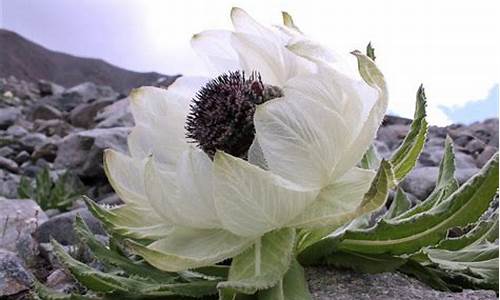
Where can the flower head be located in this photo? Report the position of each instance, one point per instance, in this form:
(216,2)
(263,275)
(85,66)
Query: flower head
(215,164)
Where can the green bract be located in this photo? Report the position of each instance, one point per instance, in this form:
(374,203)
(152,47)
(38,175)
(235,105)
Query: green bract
(298,196)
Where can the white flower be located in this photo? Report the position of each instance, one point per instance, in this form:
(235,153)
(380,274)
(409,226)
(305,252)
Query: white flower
(300,172)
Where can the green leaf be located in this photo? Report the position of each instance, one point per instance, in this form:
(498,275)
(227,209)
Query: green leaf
(262,265)
(370,159)
(405,157)
(292,287)
(408,235)
(366,263)
(107,283)
(476,266)
(44,293)
(424,274)
(312,244)
(25,189)
(370,51)
(103,254)
(399,205)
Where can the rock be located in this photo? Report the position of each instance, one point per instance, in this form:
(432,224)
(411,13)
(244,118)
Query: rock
(464,161)
(83,115)
(21,157)
(61,227)
(47,151)
(14,278)
(8,116)
(462,175)
(6,151)
(32,140)
(392,135)
(48,88)
(328,283)
(9,165)
(421,181)
(18,217)
(395,120)
(487,153)
(53,127)
(115,115)
(60,281)
(17,131)
(112,199)
(82,151)
(8,184)
(45,112)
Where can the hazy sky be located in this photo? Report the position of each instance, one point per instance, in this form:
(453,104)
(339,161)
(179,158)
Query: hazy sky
(450,46)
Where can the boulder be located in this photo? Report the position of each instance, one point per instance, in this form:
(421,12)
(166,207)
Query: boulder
(9,116)
(82,151)
(9,165)
(115,115)
(14,278)
(329,283)
(420,182)
(8,184)
(61,227)
(48,88)
(83,115)
(18,217)
(45,112)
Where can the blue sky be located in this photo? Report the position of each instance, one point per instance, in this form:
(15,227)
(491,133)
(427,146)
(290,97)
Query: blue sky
(447,45)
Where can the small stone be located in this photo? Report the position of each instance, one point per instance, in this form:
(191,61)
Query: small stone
(48,88)
(31,140)
(6,151)
(487,153)
(18,217)
(9,165)
(421,181)
(45,112)
(83,115)
(9,116)
(22,157)
(115,115)
(14,278)
(61,227)
(17,131)
(47,151)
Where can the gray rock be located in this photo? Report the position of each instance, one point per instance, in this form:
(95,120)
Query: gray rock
(53,127)
(47,151)
(392,135)
(18,217)
(462,175)
(464,161)
(9,165)
(6,151)
(45,112)
(17,131)
(421,181)
(48,88)
(14,278)
(31,140)
(61,227)
(83,115)
(9,116)
(60,281)
(8,184)
(487,153)
(82,151)
(21,157)
(328,284)
(115,115)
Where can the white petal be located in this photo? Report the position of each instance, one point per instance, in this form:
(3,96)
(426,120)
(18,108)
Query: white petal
(337,203)
(183,197)
(125,176)
(214,46)
(161,115)
(140,142)
(136,222)
(187,87)
(256,156)
(185,249)
(302,140)
(251,201)
(244,23)
(195,178)
(374,86)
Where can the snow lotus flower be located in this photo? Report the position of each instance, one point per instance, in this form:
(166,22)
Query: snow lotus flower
(215,164)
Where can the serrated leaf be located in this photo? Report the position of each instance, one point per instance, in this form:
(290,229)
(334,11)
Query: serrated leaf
(292,287)
(370,159)
(108,283)
(424,274)
(370,51)
(405,157)
(43,293)
(366,263)
(262,265)
(399,205)
(103,254)
(408,235)
(312,244)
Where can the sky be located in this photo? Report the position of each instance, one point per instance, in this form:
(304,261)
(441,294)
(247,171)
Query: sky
(452,47)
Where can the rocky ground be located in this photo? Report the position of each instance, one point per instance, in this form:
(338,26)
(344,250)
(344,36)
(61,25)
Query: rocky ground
(46,126)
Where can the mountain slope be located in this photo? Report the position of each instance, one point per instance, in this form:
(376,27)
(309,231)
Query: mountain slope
(29,61)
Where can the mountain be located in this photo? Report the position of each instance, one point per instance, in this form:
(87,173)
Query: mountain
(29,61)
